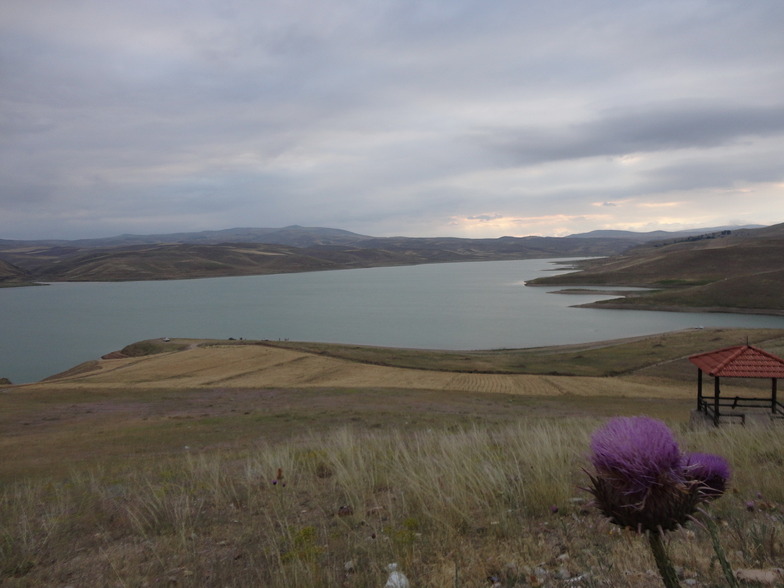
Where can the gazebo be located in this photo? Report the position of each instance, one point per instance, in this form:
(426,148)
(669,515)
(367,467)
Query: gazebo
(743,361)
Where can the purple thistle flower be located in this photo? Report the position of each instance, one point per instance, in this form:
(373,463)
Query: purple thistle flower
(711,472)
(637,453)
(645,483)
(640,480)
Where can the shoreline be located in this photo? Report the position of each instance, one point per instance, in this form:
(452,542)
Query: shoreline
(609,305)
(627,295)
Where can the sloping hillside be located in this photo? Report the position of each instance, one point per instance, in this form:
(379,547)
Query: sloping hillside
(162,262)
(660,235)
(11,275)
(682,260)
(738,270)
(294,235)
(59,262)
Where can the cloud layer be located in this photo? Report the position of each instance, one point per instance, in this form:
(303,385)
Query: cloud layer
(423,118)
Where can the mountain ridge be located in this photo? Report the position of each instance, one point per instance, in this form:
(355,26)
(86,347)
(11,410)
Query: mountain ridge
(662,235)
(258,251)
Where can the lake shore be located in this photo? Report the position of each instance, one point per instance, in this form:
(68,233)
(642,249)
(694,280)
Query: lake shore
(436,306)
(611,305)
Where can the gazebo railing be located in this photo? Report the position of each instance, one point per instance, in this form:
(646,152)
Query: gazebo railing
(713,409)
(709,408)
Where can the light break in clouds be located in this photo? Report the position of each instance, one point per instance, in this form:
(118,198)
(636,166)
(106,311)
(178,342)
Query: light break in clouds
(389,117)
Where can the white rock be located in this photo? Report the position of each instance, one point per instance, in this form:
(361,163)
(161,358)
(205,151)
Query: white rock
(396,579)
(769,577)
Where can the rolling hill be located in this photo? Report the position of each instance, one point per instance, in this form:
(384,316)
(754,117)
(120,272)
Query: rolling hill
(724,271)
(267,251)
(11,275)
(661,235)
(721,270)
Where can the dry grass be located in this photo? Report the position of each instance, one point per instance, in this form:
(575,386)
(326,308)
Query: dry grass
(49,429)
(453,508)
(608,358)
(263,366)
(158,470)
(289,364)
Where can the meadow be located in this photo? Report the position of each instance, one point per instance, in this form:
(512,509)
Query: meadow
(200,464)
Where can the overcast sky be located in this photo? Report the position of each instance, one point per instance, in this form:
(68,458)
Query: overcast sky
(475,118)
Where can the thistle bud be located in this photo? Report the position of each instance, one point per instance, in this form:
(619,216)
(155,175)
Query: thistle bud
(711,472)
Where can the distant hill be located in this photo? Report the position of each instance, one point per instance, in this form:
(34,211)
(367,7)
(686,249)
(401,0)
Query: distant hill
(294,235)
(728,270)
(185,260)
(249,251)
(255,251)
(182,261)
(658,235)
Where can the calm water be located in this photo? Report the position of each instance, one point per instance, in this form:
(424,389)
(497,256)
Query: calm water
(44,330)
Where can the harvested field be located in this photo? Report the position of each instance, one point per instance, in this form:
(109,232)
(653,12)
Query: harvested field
(260,366)
(210,394)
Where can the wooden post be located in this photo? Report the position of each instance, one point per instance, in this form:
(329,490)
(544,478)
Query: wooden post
(716,401)
(773,401)
(699,389)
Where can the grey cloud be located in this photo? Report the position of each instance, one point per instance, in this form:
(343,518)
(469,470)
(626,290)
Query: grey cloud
(640,131)
(484,217)
(376,114)
(714,173)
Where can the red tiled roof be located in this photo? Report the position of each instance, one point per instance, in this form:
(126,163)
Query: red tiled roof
(743,361)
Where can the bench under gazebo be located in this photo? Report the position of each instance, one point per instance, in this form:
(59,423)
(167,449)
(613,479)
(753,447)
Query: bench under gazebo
(742,361)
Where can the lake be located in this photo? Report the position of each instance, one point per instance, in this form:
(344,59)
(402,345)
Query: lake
(476,305)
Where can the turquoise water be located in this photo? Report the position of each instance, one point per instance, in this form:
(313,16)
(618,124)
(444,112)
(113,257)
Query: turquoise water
(480,305)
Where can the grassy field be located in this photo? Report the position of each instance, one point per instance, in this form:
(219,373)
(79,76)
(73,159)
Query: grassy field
(217,463)
(609,358)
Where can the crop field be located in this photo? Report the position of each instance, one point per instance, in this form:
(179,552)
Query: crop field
(262,366)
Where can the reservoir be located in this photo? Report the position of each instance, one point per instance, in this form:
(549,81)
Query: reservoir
(476,305)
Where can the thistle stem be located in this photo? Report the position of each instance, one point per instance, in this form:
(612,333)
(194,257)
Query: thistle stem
(710,524)
(663,562)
